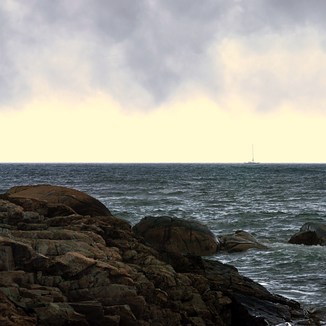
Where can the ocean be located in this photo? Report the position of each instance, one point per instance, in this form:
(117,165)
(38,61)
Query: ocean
(271,201)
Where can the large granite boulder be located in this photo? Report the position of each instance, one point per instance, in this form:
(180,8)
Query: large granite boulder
(239,241)
(177,235)
(63,198)
(310,234)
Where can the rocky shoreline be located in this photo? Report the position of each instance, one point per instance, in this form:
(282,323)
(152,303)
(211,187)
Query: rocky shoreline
(65,260)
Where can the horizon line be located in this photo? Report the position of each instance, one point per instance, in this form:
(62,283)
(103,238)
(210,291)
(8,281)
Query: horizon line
(161,162)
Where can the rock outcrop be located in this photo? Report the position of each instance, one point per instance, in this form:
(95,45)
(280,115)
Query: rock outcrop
(57,196)
(239,241)
(93,270)
(310,234)
(177,235)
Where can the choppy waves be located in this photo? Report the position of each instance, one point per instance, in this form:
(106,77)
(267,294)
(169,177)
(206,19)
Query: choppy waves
(297,272)
(270,201)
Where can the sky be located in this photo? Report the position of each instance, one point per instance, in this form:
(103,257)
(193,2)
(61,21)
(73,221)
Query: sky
(163,81)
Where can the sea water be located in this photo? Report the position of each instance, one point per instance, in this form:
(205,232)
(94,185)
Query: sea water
(271,201)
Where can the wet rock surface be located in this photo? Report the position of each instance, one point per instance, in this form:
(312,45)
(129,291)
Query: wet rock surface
(239,241)
(310,234)
(75,269)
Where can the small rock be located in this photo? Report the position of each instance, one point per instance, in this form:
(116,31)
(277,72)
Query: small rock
(310,234)
(239,241)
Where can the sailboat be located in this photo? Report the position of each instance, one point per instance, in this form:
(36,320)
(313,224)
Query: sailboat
(252,156)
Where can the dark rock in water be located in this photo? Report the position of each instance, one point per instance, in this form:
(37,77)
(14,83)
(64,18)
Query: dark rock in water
(84,270)
(78,201)
(178,235)
(239,241)
(310,234)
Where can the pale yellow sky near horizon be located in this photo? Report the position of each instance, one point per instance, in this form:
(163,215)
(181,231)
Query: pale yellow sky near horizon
(181,98)
(191,131)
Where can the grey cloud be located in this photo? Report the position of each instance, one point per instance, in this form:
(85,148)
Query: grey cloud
(138,51)
(296,12)
(11,82)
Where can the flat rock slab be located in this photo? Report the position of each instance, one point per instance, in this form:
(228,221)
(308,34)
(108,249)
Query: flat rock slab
(177,235)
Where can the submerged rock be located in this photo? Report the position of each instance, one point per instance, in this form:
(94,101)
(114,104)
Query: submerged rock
(177,235)
(310,234)
(239,241)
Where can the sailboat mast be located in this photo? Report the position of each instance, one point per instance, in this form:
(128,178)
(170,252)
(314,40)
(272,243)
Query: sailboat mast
(252,153)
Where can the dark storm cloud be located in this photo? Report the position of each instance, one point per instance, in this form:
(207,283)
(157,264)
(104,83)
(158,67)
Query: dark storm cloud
(138,51)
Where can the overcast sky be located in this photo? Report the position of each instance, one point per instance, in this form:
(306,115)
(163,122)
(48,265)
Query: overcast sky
(162,80)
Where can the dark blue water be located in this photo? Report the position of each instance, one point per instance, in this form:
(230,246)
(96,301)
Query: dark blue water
(271,201)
